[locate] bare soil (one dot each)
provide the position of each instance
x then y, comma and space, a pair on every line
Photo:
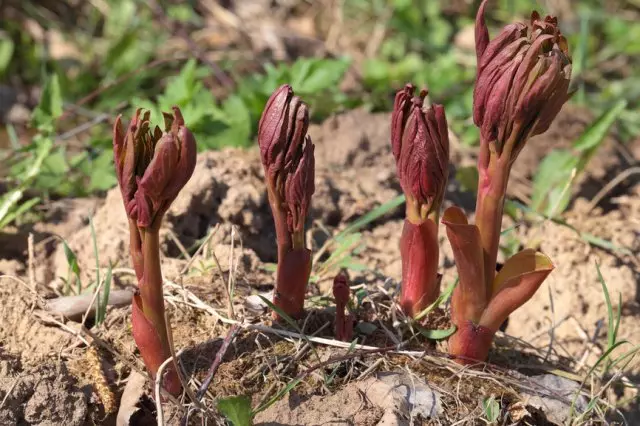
43, 361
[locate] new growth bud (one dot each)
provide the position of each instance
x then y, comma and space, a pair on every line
420, 144
522, 80
344, 320
152, 166
287, 155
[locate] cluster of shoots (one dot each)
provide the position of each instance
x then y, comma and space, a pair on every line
521, 84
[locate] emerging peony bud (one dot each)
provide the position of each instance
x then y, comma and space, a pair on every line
344, 322
522, 80
289, 166
152, 166
281, 133
420, 144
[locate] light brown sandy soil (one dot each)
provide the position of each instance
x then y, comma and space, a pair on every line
355, 173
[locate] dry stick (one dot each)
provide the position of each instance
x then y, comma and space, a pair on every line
552, 334
231, 284
13, 385
178, 244
93, 299
158, 387
90, 124
231, 335
32, 270
612, 184
74, 306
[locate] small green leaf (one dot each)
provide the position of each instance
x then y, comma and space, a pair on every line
612, 320
491, 409
72, 260
6, 53
103, 299
50, 106
435, 334
442, 298
269, 267
292, 384
237, 409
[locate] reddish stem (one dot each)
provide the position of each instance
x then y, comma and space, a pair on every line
420, 252
292, 277
135, 247
341, 294
152, 301
294, 263
492, 186
470, 343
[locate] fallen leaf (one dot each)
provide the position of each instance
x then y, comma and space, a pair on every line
130, 397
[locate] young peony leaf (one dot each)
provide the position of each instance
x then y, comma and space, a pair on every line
470, 296
516, 283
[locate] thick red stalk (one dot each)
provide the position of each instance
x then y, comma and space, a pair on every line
492, 186
294, 268
419, 251
470, 343
294, 264
150, 316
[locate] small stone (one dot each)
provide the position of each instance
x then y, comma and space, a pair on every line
403, 394
555, 409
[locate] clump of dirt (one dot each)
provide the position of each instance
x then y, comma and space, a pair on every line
346, 406
20, 331
41, 395
579, 309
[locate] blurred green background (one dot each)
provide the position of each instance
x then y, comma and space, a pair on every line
68, 68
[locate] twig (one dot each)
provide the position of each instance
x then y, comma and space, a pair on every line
73, 306
93, 299
89, 124
232, 272
32, 269
158, 387
6, 396
181, 247
612, 184
231, 335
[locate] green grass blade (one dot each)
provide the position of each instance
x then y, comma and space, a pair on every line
444, 296
611, 337
374, 214
292, 384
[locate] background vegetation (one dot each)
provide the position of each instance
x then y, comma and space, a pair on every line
68, 68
